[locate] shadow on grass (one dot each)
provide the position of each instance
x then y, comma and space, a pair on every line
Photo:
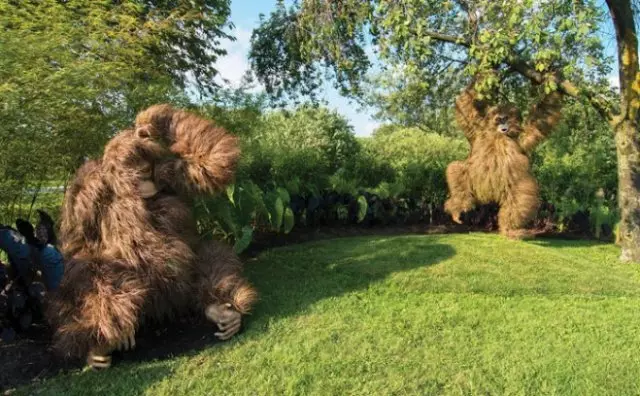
291, 279
288, 280
120, 380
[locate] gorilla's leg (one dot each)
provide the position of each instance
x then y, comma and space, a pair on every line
96, 310
224, 294
460, 197
519, 207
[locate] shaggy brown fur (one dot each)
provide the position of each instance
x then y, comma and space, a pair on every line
131, 243
497, 169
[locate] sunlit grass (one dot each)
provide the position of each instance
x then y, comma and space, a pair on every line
454, 315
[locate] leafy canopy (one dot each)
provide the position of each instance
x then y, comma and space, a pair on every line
432, 42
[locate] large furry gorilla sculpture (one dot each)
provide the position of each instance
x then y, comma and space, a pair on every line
497, 169
132, 248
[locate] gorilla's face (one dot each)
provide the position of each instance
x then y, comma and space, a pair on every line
506, 120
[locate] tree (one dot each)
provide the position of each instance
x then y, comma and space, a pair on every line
426, 39
72, 72
625, 127
549, 43
402, 101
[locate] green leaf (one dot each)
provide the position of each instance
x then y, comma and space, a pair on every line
230, 190
289, 220
293, 185
362, 208
277, 214
275, 209
246, 205
342, 211
223, 213
244, 240
258, 198
284, 195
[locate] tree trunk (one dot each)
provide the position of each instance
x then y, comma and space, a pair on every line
628, 190
625, 127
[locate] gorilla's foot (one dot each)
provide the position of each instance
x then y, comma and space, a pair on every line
456, 218
226, 318
99, 358
128, 343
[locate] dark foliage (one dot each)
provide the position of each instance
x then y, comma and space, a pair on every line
335, 210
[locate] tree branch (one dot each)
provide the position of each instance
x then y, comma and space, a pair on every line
472, 17
566, 86
520, 65
623, 21
449, 39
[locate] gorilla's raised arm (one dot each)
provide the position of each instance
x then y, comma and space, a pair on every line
470, 111
206, 154
542, 118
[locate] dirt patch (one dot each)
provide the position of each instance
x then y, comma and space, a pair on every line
29, 359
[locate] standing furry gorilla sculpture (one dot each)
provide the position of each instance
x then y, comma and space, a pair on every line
497, 169
131, 244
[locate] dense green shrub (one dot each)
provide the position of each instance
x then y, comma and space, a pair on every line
576, 167
419, 160
285, 153
300, 149
367, 168
311, 155
317, 130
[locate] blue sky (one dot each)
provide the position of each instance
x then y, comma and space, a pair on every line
245, 14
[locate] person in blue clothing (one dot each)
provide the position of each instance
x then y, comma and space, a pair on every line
35, 266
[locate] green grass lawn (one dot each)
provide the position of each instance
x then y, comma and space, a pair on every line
447, 314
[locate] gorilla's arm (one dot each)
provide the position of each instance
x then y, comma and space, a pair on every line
469, 111
543, 117
80, 214
124, 172
206, 155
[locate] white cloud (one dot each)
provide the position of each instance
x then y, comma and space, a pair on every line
368, 128
614, 81
233, 66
